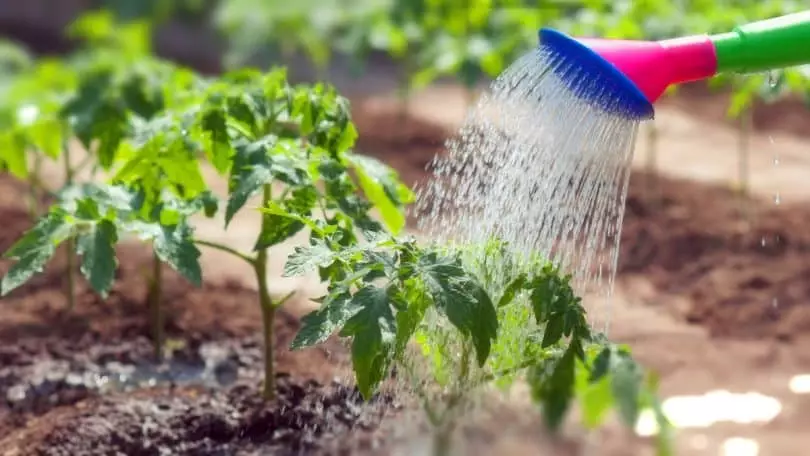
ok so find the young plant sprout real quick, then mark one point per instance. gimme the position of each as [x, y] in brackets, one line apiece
[456, 319]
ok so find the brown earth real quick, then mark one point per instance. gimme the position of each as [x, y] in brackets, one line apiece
[55, 366]
[743, 279]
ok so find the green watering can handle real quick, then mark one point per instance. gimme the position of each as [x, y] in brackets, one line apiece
[765, 45]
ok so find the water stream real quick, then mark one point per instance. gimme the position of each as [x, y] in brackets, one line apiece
[541, 170]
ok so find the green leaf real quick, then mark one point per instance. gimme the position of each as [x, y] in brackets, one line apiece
[307, 259]
[251, 170]
[34, 249]
[12, 154]
[512, 289]
[382, 187]
[317, 326]
[347, 138]
[47, 137]
[554, 331]
[412, 303]
[98, 255]
[552, 386]
[626, 381]
[601, 365]
[175, 246]
[373, 333]
[283, 226]
[462, 299]
[596, 397]
[219, 151]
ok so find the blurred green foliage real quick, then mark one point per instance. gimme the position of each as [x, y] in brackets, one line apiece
[471, 39]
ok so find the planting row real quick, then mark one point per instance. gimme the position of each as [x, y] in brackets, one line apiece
[447, 319]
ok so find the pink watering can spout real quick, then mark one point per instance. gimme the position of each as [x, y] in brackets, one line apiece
[626, 77]
[655, 65]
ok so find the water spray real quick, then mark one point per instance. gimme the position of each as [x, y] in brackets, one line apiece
[626, 77]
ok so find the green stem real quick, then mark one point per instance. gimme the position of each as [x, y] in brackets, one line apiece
[154, 301]
[70, 244]
[443, 435]
[266, 303]
[224, 248]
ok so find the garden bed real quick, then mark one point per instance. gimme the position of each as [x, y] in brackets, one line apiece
[85, 382]
[740, 280]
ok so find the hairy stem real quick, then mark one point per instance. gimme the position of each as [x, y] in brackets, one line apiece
[443, 434]
[70, 244]
[224, 248]
[154, 302]
[267, 305]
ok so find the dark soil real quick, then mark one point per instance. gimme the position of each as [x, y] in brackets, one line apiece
[74, 382]
[306, 418]
[742, 280]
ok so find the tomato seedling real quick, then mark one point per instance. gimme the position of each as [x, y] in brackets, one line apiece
[474, 319]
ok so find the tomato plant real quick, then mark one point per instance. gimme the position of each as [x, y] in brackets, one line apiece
[454, 319]
[290, 145]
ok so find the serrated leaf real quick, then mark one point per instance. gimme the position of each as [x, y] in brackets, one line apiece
[626, 381]
[373, 333]
[219, 150]
[32, 262]
[601, 365]
[462, 299]
[284, 226]
[512, 289]
[98, 255]
[251, 170]
[553, 331]
[307, 259]
[552, 386]
[175, 246]
[317, 326]
[382, 187]
[413, 304]
[34, 249]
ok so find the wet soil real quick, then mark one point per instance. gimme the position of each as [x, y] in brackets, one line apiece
[306, 418]
[87, 382]
[745, 276]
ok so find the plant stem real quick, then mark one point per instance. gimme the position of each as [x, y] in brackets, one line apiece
[224, 248]
[70, 244]
[154, 298]
[267, 305]
[443, 435]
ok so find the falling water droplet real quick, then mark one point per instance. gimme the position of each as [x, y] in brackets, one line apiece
[763, 241]
[775, 302]
[777, 199]
[773, 80]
